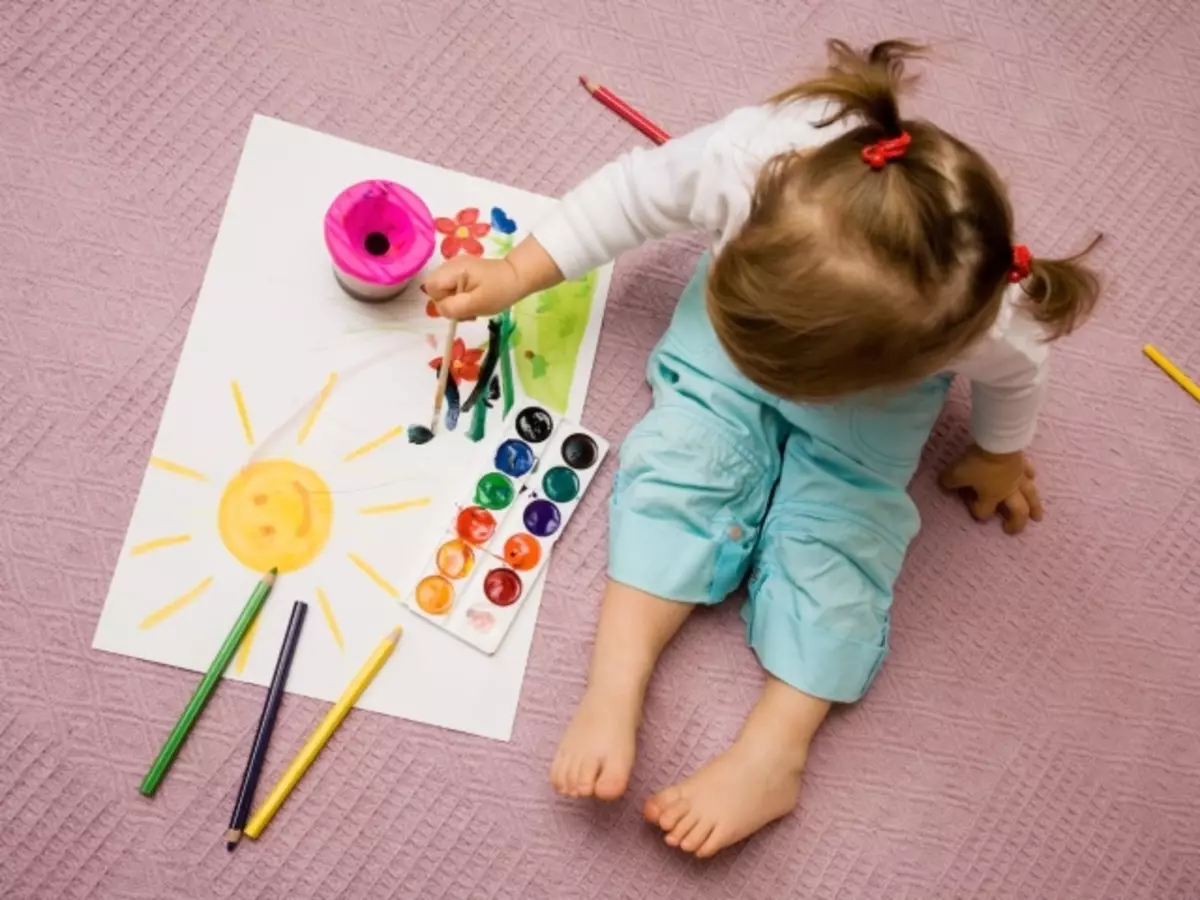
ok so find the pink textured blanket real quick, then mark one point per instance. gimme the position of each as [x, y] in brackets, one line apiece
[1036, 732]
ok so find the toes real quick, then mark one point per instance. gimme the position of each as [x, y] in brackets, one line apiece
[656, 806]
[558, 774]
[683, 828]
[573, 777]
[652, 810]
[585, 786]
[673, 815]
[612, 782]
[712, 844]
[696, 837]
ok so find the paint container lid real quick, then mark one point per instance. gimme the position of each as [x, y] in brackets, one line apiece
[379, 232]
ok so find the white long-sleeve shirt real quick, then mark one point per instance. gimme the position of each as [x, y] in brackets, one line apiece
[704, 181]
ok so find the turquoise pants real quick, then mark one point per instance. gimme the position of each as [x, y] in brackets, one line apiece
[721, 479]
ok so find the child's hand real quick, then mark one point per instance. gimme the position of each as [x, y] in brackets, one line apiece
[998, 482]
[466, 287]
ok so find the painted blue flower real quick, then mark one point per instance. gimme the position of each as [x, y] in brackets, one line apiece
[501, 222]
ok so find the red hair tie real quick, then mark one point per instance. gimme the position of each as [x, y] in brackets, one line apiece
[876, 155]
[1022, 264]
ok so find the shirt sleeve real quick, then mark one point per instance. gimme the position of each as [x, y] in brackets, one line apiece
[1009, 374]
[699, 182]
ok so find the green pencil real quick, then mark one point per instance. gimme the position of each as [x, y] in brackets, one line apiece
[204, 690]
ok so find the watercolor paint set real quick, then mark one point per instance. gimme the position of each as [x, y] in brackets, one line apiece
[510, 515]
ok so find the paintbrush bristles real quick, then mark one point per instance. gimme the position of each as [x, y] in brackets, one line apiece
[443, 375]
[439, 395]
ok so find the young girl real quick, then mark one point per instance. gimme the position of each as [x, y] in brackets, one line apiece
[859, 258]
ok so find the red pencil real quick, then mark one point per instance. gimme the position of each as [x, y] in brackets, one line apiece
[625, 111]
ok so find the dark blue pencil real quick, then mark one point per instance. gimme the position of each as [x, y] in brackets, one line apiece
[266, 722]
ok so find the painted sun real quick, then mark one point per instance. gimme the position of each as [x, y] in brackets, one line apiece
[275, 513]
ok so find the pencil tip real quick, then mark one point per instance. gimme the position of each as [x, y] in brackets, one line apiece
[232, 836]
[395, 633]
[586, 82]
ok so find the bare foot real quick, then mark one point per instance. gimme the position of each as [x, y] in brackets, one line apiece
[754, 782]
[595, 755]
[735, 795]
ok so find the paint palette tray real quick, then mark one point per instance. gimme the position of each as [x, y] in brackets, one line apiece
[512, 513]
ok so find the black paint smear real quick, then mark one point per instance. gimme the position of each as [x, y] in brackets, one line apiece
[419, 434]
[534, 424]
[452, 404]
[488, 367]
[494, 389]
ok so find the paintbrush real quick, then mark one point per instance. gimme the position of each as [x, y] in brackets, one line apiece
[447, 356]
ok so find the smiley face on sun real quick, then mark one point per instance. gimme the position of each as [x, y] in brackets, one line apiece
[275, 512]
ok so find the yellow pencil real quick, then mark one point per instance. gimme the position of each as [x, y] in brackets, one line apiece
[1170, 368]
[291, 777]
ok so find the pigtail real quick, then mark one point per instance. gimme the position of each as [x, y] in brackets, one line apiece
[1062, 293]
[862, 84]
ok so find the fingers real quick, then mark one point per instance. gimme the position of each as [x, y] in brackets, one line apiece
[464, 288]
[1034, 499]
[444, 281]
[954, 478]
[1016, 513]
[984, 506]
[462, 306]
[963, 477]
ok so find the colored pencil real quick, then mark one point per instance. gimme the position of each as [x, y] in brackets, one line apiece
[1172, 371]
[208, 684]
[625, 111]
[266, 723]
[317, 740]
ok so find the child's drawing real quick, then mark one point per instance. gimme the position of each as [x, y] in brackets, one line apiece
[548, 334]
[296, 435]
[274, 513]
[540, 339]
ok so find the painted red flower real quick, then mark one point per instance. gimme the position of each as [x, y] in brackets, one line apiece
[464, 363]
[462, 233]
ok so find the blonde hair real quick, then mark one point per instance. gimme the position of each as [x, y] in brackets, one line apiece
[846, 277]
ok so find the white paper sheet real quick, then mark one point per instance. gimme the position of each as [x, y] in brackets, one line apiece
[271, 318]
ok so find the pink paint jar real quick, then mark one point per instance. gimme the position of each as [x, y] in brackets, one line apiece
[379, 234]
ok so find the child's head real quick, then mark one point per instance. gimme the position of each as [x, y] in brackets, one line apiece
[879, 257]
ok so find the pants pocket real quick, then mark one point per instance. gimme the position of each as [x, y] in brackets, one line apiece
[688, 503]
[887, 432]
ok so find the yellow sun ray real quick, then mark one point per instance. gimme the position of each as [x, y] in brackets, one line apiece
[327, 612]
[175, 468]
[243, 653]
[175, 605]
[169, 541]
[316, 408]
[374, 576]
[395, 507]
[374, 444]
[242, 414]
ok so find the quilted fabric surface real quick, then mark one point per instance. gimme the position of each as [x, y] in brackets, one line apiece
[1036, 732]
